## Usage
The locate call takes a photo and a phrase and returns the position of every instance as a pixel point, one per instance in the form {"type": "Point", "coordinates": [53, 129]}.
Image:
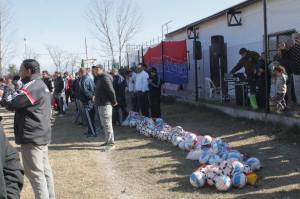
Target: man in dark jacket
{"type": "Point", "coordinates": [120, 85]}
{"type": "Point", "coordinates": [105, 99]}
{"type": "Point", "coordinates": [59, 88]}
{"type": "Point", "coordinates": [32, 128]}
{"type": "Point", "coordinates": [249, 61]}
{"type": "Point", "coordinates": [47, 80]}
{"type": "Point", "coordinates": [294, 54]}
{"type": "Point", "coordinates": [87, 92]}
{"type": "Point", "coordinates": [11, 172]}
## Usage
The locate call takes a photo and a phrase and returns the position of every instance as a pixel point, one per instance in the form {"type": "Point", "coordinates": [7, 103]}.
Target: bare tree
{"type": "Point", "coordinates": [99, 15]}
{"type": "Point", "coordinates": [128, 22]}
{"type": "Point", "coordinates": [115, 24]}
{"type": "Point", "coordinates": [6, 19]}
{"type": "Point", "coordinates": [31, 54]}
{"type": "Point", "coordinates": [57, 56]}
{"type": "Point", "coordinates": [73, 62]}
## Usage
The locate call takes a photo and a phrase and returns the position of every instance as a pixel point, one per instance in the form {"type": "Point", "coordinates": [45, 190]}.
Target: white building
{"type": "Point", "coordinates": [283, 20]}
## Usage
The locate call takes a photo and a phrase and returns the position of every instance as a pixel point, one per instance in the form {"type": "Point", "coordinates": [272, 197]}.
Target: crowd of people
{"type": "Point", "coordinates": [96, 93]}
{"type": "Point", "coordinates": [100, 94]}
{"type": "Point", "coordinates": [282, 74]}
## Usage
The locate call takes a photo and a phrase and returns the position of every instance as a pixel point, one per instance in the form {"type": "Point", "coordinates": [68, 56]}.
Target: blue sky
{"type": "Point", "coordinates": [63, 22]}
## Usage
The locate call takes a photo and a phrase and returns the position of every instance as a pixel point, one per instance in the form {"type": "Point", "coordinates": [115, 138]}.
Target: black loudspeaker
{"type": "Point", "coordinates": [217, 45]}
{"type": "Point", "coordinates": [218, 62]}
{"type": "Point", "coordinates": [197, 50]}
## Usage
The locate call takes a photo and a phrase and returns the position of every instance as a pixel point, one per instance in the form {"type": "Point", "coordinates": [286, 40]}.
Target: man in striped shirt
{"type": "Point", "coordinates": [294, 53]}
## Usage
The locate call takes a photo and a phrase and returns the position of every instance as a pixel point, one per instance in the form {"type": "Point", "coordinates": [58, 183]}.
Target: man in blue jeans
{"type": "Point", "coordinates": [87, 92]}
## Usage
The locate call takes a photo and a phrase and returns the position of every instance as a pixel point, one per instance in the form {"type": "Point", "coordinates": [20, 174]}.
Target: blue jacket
{"type": "Point", "coordinates": [87, 89]}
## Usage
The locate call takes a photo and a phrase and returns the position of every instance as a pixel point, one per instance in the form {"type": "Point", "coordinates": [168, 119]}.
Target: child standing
{"type": "Point", "coordinates": [280, 79]}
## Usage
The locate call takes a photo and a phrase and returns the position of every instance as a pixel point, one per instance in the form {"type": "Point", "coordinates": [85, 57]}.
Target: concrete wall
{"type": "Point", "coordinates": [282, 15]}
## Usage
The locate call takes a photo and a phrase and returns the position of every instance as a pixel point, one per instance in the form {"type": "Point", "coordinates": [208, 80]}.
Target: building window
{"type": "Point", "coordinates": [276, 38]}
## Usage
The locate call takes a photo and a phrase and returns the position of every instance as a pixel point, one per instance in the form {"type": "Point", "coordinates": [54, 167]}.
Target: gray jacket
{"type": "Point", "coordinates": [105, 93]}
{"type": "Point", "coordinates": [32, 106]}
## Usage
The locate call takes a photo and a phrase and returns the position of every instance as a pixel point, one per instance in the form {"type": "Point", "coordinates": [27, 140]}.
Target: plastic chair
{"type": "Point", "coordinates": [211, 88]}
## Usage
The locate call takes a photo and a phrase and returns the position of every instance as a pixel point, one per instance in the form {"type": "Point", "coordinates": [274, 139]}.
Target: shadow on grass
{"type": "Point", "coordinates": [277, 151]}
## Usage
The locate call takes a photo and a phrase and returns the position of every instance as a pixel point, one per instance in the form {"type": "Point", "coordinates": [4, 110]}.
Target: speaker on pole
{"type": "Point", "coordinates": [197, 50]}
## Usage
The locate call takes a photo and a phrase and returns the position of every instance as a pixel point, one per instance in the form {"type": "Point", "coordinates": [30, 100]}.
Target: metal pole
{"type": "Point", "coordinates": [127, 60]}
{"type": "Point", "coordinates": [86, 51]}
{"type": "Point", "coordinates": [196, 65]}
{"type": "Point", "coordinates": [142, 54]}
{"type": "Point", "coordinates": [266, 47]}
{"type": "Point", "coordinates": [163, 61]}
{"type": "Point", "coordinates": [25, 47]}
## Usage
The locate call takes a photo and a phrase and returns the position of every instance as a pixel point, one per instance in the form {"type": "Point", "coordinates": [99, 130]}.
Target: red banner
{"type": "Point", "coordinates": [175, 61]}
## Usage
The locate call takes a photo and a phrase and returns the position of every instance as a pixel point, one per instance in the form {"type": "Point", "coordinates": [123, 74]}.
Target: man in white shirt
{"type": "Point", "coordinates": [131, 90]}
{"type": "Point", "coordinates": [142, 88]}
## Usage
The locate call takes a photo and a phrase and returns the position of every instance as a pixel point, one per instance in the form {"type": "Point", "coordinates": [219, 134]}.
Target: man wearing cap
{"type": "Point", "coordinates": [249, 61]}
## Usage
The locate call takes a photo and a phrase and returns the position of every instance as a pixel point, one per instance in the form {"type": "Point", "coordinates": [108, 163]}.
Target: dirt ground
{"type": "Point", "coordinates": [146, 168]}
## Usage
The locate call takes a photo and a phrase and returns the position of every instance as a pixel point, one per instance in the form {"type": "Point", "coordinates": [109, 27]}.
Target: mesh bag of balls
{"type": "Point", "coordinates": [226, 174]}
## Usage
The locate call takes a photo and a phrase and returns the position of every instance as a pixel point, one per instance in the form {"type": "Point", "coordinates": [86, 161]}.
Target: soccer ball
{"type": "Point", "coordinates": [239, 180]}
{"type": "Point", "coordinates": [254, 163]}
{"type": "Point", "coordinates": [177, 140]}
{"type": "Point", "coordinates": [216, 146]}
{"type": "Point", "coordinates": [210, 178]}
{"type": "Point", "coordinates": [226, 168]}
{"type": "Point", "coordinates": [214, 159]}
{"type": "Point", "coordinates": [132, 123]}
{"type": "Point", "coordinates": [205, 156]}
{"type": "Point", "coordinates": [198, 179]}
{"type": "Point", "coordinates": [206, 140]}
{"type": "Point", "coordinates": [182, 145]}
{"type": "Point", "coordinates": [234, 155]}
{"type": "Point", "coordinates": [247, 169]}
{"type": "Point", "coordinates": [237, 167]}
{"type": "Point", "coordinates": [223, 183]}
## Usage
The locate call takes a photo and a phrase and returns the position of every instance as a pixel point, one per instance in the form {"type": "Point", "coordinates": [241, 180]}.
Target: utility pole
{"type": "Point", "coordinates": [86, 52]}
{"type": "Point", "coordinates": [142, 50]}
{"type": "Point", "coordinates": [25, 48]}
{"type": "Point", "coordinates": [266, 47]}
{"type": "Point", "coordinates": [127, 60]}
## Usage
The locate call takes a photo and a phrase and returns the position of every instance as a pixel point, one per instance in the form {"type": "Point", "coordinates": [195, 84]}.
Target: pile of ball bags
{"type": "Point", "coordinates": [221, 166]}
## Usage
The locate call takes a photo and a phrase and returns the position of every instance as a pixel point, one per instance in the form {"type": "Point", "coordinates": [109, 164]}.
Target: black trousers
{"type": "Point", "coordinates": [143, 103]}
{"type": "Point", "coordinates": [119, 113]}
{"type": "Point", "coordinates": [155, 105]}
{"type": "Point", "coordinates": [134, 102]}
{"type": "Point", "coordinates": [68, 96]}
